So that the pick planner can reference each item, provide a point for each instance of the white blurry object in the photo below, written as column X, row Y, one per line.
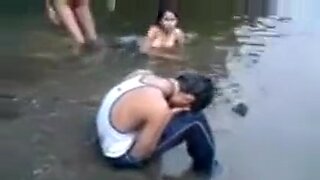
column 267, row 22
column 53, row 16
column 111, row 5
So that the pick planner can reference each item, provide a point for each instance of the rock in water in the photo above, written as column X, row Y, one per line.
column 240, row 109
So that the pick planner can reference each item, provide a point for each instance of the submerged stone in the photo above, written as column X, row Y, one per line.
column 240, row 109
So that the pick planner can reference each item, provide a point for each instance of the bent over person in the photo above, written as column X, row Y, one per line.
column 146, row 115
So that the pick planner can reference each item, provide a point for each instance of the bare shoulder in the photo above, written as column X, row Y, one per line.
column 153, row 103
column 153, row 96
column 154, row 28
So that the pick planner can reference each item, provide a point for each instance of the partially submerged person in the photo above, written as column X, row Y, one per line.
column 146, row 115
column 164, row 38
column 76, row 16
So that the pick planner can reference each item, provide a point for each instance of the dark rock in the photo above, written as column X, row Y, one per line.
column 240, row 109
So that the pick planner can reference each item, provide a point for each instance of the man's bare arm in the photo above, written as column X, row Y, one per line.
column 158, row 118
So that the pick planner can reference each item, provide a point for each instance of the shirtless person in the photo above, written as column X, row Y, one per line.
column 164, row 38
column 146, row 115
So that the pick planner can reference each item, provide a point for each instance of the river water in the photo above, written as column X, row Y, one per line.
column 49, row 97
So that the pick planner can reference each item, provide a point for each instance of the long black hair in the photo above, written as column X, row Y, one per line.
column 164, row 6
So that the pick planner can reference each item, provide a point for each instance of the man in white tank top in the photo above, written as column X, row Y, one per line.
column 146, row 115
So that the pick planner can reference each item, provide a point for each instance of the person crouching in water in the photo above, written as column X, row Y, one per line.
column 146, row 115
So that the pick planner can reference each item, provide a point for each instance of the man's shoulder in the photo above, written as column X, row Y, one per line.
column 152, row 95
column 152, row 101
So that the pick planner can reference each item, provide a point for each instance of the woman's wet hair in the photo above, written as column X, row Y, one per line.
column 164, row 6
column 161, row 14
column 200, row 86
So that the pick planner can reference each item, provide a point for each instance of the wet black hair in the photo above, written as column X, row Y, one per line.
column 200, row 86
column 164, row 6
column 161, row 14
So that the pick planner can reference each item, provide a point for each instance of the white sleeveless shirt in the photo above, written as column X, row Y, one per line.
column 114, row 143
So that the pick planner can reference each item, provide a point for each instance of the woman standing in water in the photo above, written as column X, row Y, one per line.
column 164, row 38
column 76, row 16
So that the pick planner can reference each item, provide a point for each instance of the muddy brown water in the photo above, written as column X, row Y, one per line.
column 49, row 97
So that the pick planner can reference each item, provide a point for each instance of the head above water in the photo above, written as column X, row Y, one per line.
column 193, row 90
column 167, row 20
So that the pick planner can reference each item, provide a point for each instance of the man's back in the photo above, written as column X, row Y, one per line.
column 129, row 113
column 147, row 115
column 124, row 112
column 113, row 140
